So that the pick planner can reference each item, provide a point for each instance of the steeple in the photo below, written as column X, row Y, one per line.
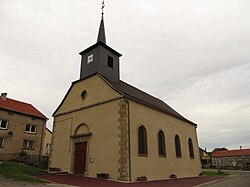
column 100, row 58
column 101, row 35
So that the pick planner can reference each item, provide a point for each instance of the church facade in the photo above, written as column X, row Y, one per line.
column 106, row 127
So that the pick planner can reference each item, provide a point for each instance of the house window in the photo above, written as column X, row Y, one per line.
column 142, row 140
column 47, row 145
column 191, row 148
column 27, row 144
column 161, row 144
column 3, row 124
column 110, row 62
column 1, row 142
column 30, row 129
column 177, row 146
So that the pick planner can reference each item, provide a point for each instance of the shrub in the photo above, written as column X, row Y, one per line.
column 23, row 156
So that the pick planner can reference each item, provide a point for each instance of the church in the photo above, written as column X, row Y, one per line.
column 105, row 127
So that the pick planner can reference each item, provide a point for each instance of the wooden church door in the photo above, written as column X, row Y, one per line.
column 80, row 157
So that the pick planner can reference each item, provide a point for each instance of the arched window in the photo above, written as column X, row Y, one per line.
column 142, row 141
column 190, row 147
column 161, row 143
column 177, row 146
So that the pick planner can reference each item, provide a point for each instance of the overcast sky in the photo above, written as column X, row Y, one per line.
column 193, row 54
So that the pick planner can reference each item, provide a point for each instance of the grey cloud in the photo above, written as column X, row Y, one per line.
column 192, row 54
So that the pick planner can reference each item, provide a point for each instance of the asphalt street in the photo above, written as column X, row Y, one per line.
column 237, row 179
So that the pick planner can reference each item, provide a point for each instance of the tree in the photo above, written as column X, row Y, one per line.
column 220, row 149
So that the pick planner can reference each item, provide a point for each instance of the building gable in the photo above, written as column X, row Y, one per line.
column 86, row 92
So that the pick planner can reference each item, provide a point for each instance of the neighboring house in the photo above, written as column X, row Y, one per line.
column 106, row 127
column 47, row 142
column 239, row 158
column 205, row 158
column 22, row 127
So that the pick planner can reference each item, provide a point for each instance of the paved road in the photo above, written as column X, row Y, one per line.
column 238, row 179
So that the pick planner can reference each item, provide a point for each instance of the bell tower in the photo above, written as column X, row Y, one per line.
column 100, row 58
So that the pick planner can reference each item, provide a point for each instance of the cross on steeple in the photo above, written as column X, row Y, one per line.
column 103, row 5
column 101, row 35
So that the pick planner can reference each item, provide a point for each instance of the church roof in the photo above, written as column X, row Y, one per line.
column 20, row 107
column 142, row 97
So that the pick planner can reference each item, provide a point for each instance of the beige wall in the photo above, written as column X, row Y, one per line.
column 153, row 166
column 97, row 91
column 16, row 124
column 100, row 118
column 47, row 140
column 104, row 113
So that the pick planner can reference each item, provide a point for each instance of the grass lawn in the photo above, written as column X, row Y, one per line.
column 19, row 171
column 214, row 173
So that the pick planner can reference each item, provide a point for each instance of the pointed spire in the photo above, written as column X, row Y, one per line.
column 101, row 35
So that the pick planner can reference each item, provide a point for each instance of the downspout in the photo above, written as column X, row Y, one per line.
column 41, row 144
column 129, row 150
column 197, row 145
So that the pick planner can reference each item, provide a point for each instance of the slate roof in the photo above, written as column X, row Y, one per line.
column 238, row 152
column 100, row 43
column 20, row 107
column 142, row 97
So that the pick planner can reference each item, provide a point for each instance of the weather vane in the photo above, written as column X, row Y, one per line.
column 103, row 5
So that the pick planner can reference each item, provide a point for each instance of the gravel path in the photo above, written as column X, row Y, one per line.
column 7, row 182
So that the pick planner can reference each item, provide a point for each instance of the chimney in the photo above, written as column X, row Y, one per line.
column 4, row 96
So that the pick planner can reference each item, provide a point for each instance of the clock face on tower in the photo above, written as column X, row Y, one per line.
column 90, row 58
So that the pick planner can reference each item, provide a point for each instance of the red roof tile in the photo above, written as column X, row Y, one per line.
column 20, row 107
column 237, row 152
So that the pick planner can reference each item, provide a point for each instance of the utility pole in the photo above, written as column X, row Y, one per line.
column 243, row 160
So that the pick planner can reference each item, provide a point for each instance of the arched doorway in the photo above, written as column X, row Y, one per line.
column 80, row 141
